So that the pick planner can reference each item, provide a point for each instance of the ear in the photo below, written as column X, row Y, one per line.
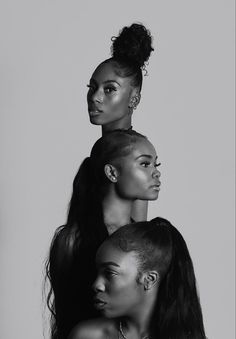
column 111, row 172
column 134, row 99
column 150, row 279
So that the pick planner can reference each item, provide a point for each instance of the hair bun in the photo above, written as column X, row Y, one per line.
column 133, row 44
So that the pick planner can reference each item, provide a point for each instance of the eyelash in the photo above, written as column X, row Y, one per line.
column 147, row 163
column 109, row 274
column 107, row 90
column 90, row 86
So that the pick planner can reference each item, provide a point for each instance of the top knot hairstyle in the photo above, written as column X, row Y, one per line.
column 130, row 52
column 133, row 44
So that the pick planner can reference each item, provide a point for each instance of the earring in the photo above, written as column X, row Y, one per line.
column 134, row 101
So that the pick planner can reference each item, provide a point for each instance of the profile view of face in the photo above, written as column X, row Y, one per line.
column 138, row 174
column 108, row 96
column 117, row 290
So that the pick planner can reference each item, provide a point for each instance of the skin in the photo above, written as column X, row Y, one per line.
column 138, row 173
column 109, row 98
column 116, row 287
column 100, row 328
column 135, row 176
column 121, row 291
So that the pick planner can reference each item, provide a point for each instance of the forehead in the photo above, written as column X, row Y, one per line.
column 108, row 253
column 108, row 72
column 143, row 147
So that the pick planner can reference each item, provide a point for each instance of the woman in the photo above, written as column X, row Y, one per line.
column 145, row 287
column 121, row 168
column 115, row 87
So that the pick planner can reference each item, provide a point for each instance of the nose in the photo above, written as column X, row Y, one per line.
column 98, row 285
column 156, row 173
column 95, row 95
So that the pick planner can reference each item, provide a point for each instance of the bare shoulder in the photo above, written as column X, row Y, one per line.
column 94, row 329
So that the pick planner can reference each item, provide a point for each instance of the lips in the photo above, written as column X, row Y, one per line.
column 156, row 186
column 93, row 111
column 99, row 303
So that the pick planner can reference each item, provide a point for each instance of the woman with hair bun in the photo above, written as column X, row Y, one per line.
column 122, row 168
column 115, row 87
column 145, row 286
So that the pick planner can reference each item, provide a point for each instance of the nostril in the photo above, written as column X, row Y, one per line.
column 157, row 173
column 99, row 99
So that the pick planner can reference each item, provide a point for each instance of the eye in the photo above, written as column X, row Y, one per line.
column 145, row 163
column 109, row 274
column 109, row 89
column 157, row 165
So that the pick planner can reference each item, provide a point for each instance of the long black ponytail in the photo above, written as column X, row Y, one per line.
column 179, row 311
column 159, row 245
column 74, row 245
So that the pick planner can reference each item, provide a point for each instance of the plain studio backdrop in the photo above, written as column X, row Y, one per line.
column 49, row 49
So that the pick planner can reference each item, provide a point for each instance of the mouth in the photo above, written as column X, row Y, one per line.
column 99, row 303
column 93, row 111
column 156, row 187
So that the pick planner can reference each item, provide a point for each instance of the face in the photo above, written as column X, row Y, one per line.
column 117, row 291
column 109, row 97
column 138, row 174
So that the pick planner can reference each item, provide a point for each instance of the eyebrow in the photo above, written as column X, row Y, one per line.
column 147, row 156
column 106, row 82
column 109, row 263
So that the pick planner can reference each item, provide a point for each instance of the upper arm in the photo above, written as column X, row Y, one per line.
column 139, row 210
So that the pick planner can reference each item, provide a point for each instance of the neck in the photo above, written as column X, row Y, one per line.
column 116, row 212
column 119, row 124
column 140, row 319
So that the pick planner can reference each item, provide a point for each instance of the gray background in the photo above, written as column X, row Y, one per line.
column 48, row 52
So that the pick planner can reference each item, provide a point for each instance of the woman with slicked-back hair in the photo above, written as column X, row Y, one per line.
column 145, row 286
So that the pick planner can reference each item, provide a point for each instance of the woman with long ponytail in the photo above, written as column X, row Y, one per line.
column 121, row 168
column 145, row 286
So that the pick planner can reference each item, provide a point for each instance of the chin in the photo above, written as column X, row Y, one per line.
column 94, row 122
column 110, row 314
column 153, row 196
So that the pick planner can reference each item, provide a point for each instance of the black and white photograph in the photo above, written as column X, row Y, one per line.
column 117, row 181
